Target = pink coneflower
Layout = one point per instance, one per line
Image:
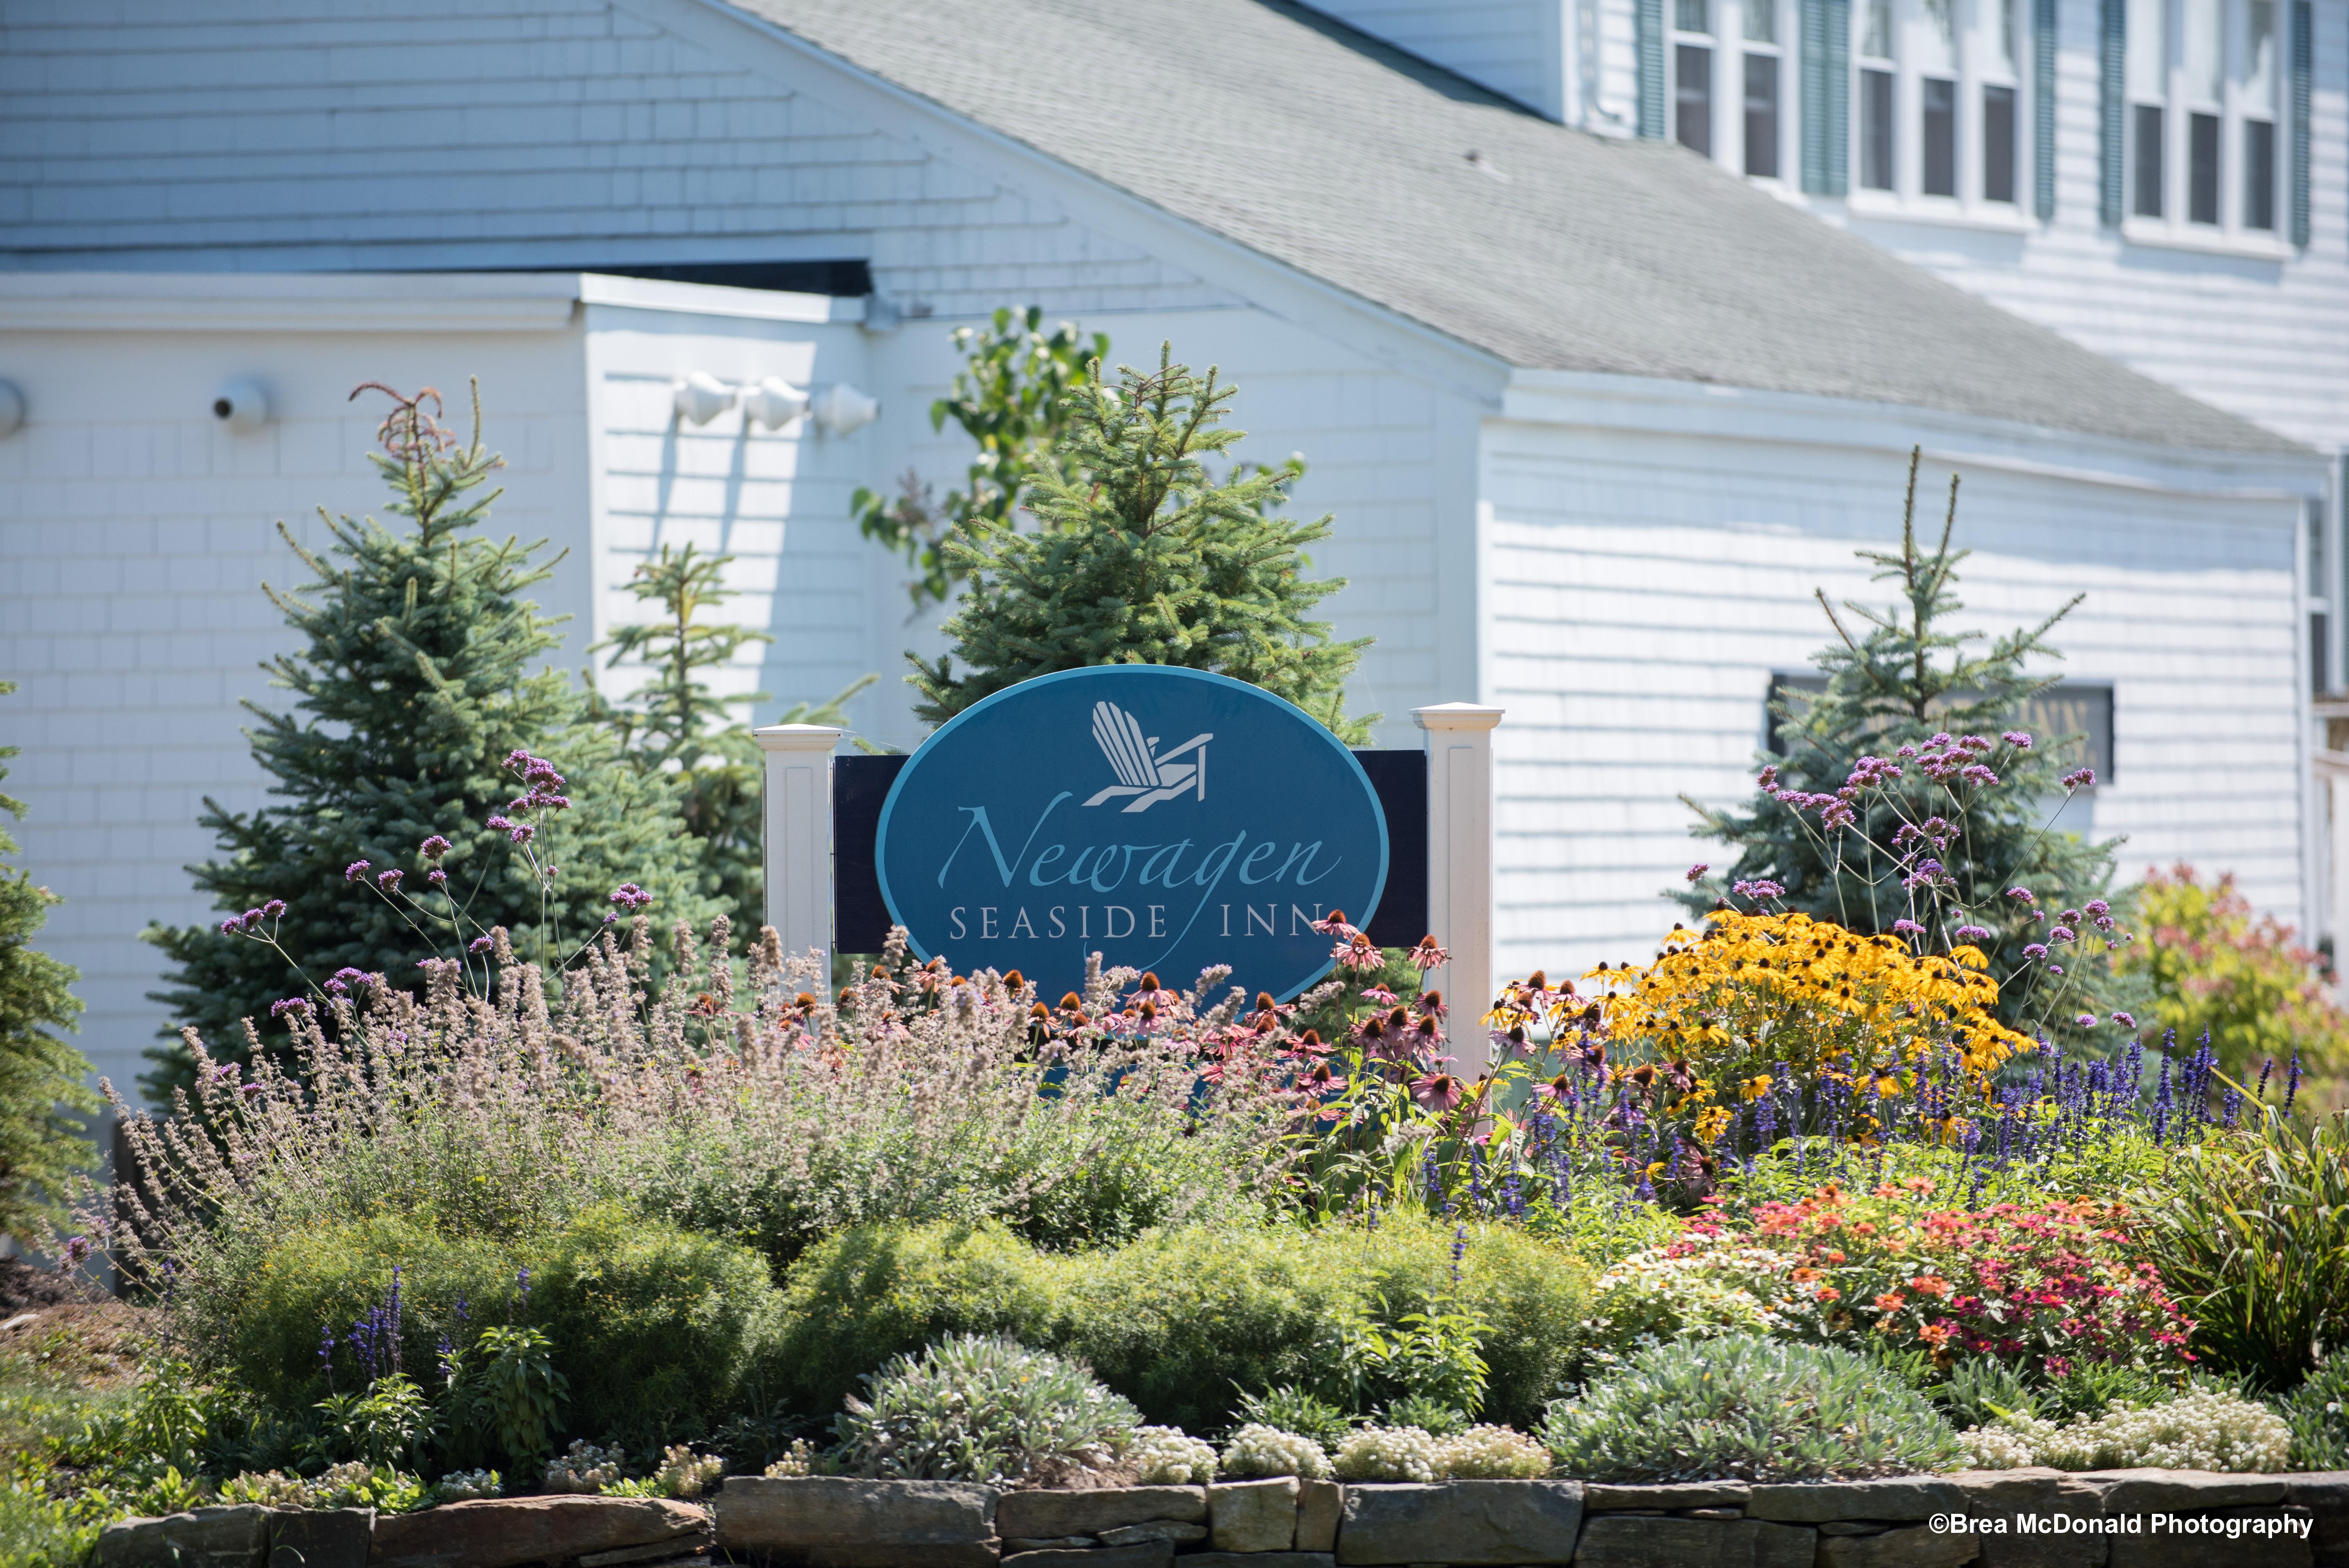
(1429, 955)
(1436, 1091)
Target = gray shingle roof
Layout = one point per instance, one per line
(1325, 149)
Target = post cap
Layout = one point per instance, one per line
(1457, 716)
(774, 737)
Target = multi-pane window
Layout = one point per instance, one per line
(2202, 97)
(1937, 87)
(1692, 75)
(1765, 74)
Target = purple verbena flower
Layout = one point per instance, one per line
(2086, 1020)
(1979, 776)
(1972, 934)
(2098, 906)
(2036, 950)
(1695, 872)
(479, 945)
(433, 847)
(298, 1005)
(629, 895)
(2022, 896)
(2018, 738)
(354, 871)
(274, 908)
(437, 877)
(390, 880)
(2079, 778)
(498, 824)
(77, 1250)
(1907, 928)
(2061, 933)
(2124, 1020)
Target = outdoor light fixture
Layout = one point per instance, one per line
(242, 406)
(701, 397)
(773, 402)
(12, 409)
(843, 409)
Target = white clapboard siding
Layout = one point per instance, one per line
(136, 534)
(1645, 591)
(1509, 46)
(365, 133)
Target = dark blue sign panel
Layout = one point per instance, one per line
(1166, 819)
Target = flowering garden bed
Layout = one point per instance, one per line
(1766, 1250)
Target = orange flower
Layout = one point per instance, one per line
(1825, 1293)
(1890, 1301)
(1929, 1285)
(1937, 1334)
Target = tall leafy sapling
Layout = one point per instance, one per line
(1142, 556)
(418, 720)
(42, 1088)
(1010, 397)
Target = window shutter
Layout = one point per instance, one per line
(2303, 62)
(2112, 106)
(2043, 107)
(1827, 95)
(1653, 97)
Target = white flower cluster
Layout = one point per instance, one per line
(1734, 1289)
(463, 1485)
(1490, 1453)
(1387, 1454)
(341, 1486)
(586, 1468)
(798, 1462)
(1256, 1449)
(271, 1488)
(2204, 1431)
(1167, 1456)
(684, 1473)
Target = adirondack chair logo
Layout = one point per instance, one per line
(1144, 772)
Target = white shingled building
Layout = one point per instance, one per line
(1596, 414)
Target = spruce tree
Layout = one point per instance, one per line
(42, 1078)
(1141, 556)
(412, 691)
(675, 725)
(1905, 679)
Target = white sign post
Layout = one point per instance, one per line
(799, 852)
(799, 837)
(1460, 867)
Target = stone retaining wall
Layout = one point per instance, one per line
(1991, 1518)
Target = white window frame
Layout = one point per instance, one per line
(1790, 146)
(2176, 229)
(1976, 61)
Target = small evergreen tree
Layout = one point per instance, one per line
(413, 691)
(1142, 557)
(42, 1078)
(1010, 397)
(1907, 680)
(675, 725)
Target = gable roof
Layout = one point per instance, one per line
(1551, 249)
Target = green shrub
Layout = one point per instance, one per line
(651, 1330)
(2250, 1233)
(2318, 1414)
(656, 1329)
(976, 1409)
(1183, 1323)
(1761, 1409)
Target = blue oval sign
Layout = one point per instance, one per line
(1167, 819)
